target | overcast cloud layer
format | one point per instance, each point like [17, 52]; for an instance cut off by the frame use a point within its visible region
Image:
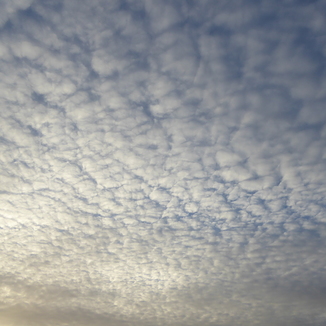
[162, 163]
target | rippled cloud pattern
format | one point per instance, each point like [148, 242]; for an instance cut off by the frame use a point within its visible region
[162, 163]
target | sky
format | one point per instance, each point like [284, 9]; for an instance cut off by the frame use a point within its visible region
[163, 163]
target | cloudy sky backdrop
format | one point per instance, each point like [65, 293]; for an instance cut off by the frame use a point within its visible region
[162, 163]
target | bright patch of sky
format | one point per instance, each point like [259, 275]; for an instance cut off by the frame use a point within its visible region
[162, 163]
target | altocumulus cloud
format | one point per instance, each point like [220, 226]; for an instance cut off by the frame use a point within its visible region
[162, 162]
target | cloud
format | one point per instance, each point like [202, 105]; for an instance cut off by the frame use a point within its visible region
[162, 163]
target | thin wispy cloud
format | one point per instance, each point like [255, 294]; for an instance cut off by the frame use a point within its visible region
[162, 163]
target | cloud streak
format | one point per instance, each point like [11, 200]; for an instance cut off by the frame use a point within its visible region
[162, 163]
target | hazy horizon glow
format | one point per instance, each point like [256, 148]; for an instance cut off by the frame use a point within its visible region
[162, 163]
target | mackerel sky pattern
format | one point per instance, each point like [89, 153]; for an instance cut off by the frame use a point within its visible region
[162, 163]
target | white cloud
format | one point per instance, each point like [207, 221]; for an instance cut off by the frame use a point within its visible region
[162, 163]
